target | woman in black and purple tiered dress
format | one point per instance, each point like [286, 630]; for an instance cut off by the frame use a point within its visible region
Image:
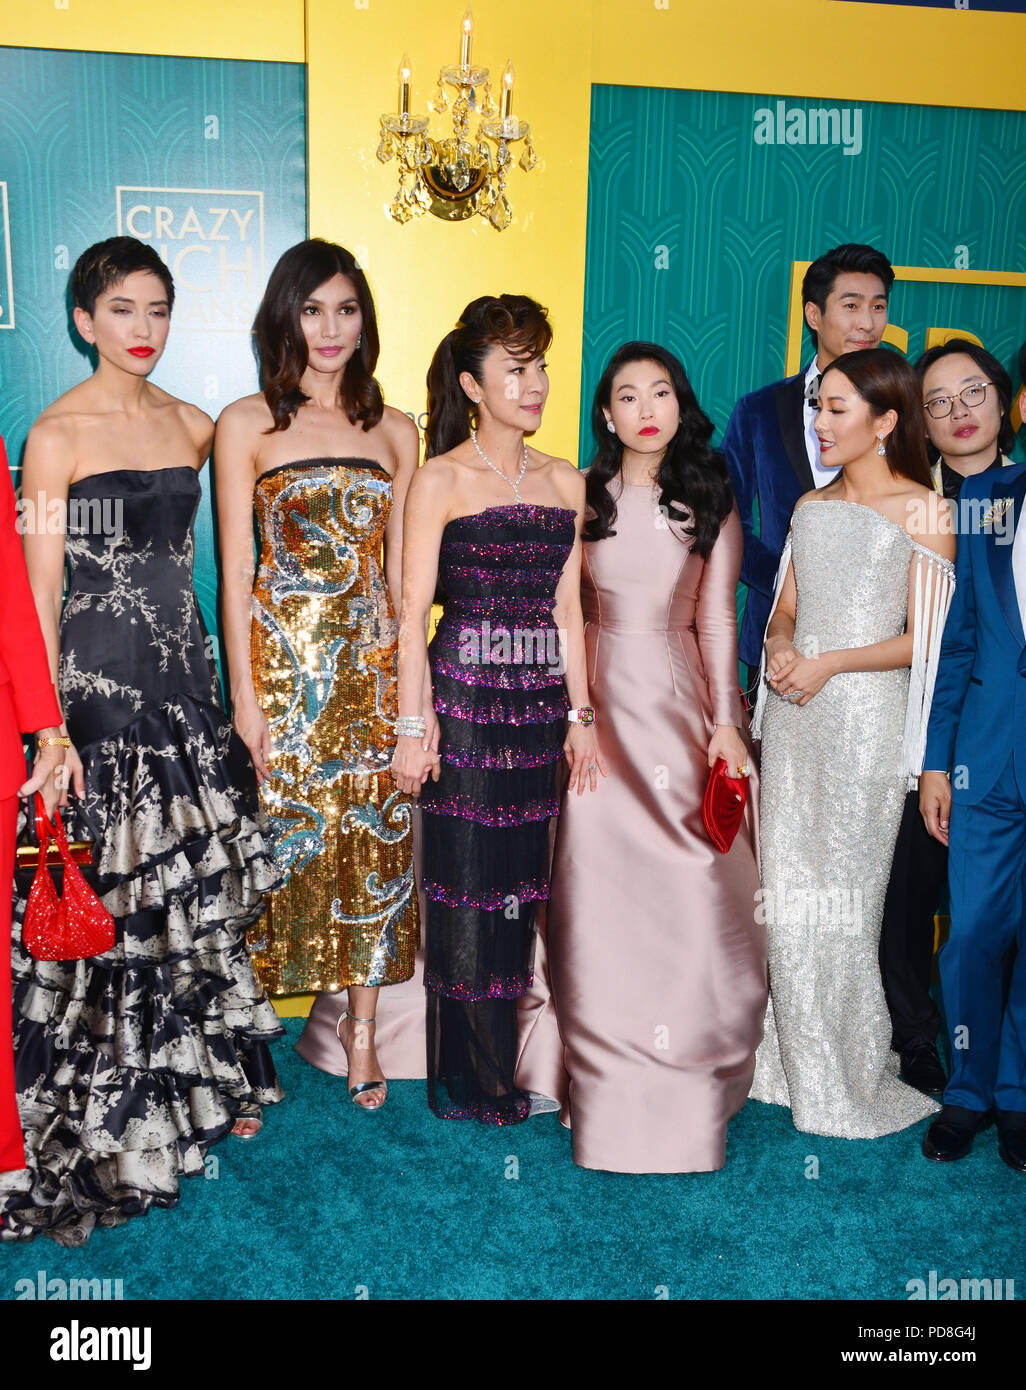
[499, 524]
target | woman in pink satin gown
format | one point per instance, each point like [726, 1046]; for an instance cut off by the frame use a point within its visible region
[657, 961]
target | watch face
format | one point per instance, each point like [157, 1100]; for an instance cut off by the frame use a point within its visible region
[586, 715]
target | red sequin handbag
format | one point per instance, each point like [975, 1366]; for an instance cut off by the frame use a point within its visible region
[73, 925]
[723, 805]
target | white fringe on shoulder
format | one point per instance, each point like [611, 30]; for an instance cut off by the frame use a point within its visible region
[934, 587]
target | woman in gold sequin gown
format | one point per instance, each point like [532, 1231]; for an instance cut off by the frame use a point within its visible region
[311, 640]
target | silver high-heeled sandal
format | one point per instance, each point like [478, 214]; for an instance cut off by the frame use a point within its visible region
[250, 1111]
[363, 1086]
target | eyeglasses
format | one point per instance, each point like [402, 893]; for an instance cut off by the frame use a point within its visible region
[941, 406]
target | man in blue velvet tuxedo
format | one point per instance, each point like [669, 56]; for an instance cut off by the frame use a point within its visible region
[973, 798]
[770, 445]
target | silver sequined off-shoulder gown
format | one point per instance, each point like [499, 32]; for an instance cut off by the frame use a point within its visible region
[832, 797]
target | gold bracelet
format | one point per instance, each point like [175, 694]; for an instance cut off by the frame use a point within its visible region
[53, 741]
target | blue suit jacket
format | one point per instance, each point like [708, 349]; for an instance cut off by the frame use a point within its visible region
[764, 446]
[978, 714]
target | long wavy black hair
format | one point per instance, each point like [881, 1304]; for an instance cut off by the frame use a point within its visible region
[513, 321]
[282, 346]
[691, 474]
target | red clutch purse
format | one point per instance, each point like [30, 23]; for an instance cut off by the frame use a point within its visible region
[723, 805]
[74, 925]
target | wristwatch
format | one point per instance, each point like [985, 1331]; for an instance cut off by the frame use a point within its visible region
[584, 715]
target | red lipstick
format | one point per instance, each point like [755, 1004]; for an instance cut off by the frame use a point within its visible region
[142, 351]
[649, 429]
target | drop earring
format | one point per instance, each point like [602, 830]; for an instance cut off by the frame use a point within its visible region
[610, 427]
[359, 340]
[880, 446]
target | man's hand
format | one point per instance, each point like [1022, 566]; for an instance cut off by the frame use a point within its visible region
[935, 804]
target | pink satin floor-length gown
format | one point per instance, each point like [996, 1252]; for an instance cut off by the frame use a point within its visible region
[656, 958]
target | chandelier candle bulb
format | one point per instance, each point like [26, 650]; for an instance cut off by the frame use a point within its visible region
[466, 28]
[404, 85]
[507, 91]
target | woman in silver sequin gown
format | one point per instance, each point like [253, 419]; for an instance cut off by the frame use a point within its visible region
[842, 731]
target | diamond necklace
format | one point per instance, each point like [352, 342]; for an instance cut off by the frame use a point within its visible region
[485, 459]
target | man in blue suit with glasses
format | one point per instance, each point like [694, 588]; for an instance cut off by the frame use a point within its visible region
[973, 799]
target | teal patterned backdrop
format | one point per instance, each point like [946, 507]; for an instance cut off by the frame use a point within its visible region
[204, 159]
[693, 224]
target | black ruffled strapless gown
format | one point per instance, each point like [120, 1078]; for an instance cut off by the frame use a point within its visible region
[131, 1063]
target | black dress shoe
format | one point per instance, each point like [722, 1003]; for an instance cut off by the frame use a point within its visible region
[1012, 1139]
[921, 1067]
[952, 1133]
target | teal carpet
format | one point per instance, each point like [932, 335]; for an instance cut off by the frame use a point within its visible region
[330, 1203]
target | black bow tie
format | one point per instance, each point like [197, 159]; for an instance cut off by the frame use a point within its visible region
[812, 388]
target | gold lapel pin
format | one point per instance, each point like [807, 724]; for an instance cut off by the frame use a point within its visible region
[996, 511]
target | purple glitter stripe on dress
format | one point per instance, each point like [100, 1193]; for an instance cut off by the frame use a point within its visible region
[532, 612]
[499, 817]
[498, 675]
[467, 672]
[457, 638]
[498, 987]
[548, 518]
[502, 550]
[496, 711]
[535, 891]
[486, 1115]
[503, 759]
[488, 574]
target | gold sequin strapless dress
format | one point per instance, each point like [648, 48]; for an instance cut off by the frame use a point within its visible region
[323, 649]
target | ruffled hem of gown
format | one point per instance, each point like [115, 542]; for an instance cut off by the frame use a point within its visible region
[131, 1063]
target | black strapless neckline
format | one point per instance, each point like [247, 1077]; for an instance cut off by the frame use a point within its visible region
[508, 507]
[134, 472]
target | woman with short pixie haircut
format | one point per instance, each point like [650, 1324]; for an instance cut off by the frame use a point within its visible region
[130, 1064]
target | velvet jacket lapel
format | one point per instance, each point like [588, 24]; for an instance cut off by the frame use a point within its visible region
[790, 403]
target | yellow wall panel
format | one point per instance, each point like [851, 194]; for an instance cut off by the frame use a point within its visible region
[423, 274]
[814, 48]
[265, 30]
